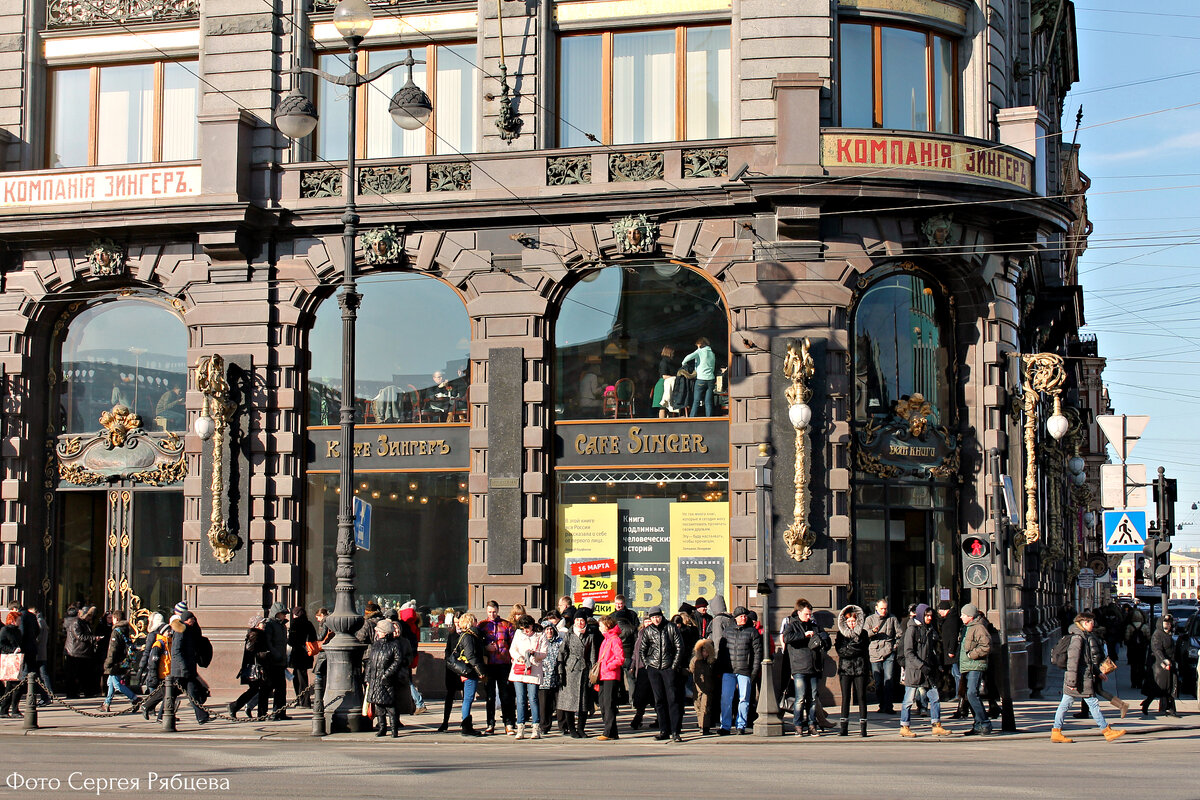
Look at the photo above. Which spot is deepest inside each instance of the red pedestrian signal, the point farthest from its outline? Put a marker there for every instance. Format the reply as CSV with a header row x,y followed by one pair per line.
x,y
975,547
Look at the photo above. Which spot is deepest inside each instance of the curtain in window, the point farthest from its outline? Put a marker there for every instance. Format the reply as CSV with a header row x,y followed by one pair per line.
x,y
180,102
643,87
856,65
69,118
904,101
457,99
331,109
386,139
126,131
943,85
708,83
579,103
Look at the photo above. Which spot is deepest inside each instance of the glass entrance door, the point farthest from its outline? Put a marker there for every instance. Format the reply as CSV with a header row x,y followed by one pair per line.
x,y
902,552
120,548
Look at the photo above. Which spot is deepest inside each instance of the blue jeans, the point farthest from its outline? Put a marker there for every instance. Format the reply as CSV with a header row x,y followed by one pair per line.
x,y
935,707
703,390
418,700
881,673
526,691
469,687
956,673
1093,704
806,697
731,682
116,682
974,678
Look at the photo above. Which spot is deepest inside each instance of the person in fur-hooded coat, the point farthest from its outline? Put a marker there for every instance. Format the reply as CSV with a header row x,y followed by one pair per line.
x,y
704,674
851,643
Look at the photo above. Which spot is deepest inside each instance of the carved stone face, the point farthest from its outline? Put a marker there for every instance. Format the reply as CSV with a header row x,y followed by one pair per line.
x,y
917,425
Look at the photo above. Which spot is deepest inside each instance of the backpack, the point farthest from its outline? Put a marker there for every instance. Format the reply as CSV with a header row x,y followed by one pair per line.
x,y
1058,656
204,652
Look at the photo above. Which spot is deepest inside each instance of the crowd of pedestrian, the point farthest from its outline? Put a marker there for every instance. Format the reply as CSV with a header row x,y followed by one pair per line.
x,y
533,677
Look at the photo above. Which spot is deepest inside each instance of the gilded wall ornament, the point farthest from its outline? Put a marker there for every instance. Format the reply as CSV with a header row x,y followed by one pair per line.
x,y
915,410
799,368
210,379
636,234
106,257
118,424
382,245
1044,372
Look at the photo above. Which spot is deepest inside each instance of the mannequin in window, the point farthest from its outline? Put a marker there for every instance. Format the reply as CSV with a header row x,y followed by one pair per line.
x,y
706,376
441,397
168,409
660,399
591,388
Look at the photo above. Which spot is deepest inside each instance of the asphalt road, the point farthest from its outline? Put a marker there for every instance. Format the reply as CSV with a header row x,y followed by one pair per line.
x,y
1162,766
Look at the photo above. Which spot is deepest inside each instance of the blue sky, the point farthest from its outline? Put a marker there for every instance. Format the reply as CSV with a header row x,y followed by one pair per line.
x,y
1141,275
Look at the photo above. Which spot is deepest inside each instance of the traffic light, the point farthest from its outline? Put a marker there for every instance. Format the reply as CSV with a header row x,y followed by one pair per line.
x,y
1158,559
976,560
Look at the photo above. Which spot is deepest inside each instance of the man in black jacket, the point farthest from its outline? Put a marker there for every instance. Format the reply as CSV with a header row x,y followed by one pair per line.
x,y
185,670
275,633
627,622
806,644
739,659
921,655
949,626
662,656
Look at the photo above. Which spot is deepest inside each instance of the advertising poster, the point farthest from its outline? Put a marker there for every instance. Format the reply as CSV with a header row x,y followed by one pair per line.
x,y
699,550
656,552
587,542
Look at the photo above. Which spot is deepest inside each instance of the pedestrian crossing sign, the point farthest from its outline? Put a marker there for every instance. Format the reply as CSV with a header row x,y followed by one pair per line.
x,y
1124,531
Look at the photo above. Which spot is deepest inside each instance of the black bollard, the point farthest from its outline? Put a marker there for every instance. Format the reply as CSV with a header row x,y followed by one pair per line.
x,y
168,723
318,706
31,722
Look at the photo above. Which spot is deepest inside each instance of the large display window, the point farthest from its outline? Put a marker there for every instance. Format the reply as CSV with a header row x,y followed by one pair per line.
x,y
412,351
625,334
660,538
416,549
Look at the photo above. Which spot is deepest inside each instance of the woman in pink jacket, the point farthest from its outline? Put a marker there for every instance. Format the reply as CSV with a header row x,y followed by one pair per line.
x,y
528,653
612,657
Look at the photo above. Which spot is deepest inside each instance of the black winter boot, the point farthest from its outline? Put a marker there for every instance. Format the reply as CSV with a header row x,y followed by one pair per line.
x,y
468,729
862,725
394,715
844,730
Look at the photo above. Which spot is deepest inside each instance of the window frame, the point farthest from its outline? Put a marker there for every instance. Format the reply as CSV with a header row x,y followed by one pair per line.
x,y
930,34
606,74
93,142
430,88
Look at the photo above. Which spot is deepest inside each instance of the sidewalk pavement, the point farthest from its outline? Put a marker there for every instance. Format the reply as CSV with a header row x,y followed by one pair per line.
x,y
1033,720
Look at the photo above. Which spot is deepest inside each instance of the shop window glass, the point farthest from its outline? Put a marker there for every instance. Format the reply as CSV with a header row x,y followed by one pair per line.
x,y
620,330
453,92
897,78
418,546
124,114
659,539
412,355
899,349
131,353
626,87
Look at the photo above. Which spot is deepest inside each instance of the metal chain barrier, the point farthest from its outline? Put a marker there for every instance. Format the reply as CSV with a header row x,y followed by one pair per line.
x,y
94,714
307,693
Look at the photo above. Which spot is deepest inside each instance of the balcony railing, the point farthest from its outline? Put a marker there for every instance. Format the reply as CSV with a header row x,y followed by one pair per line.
x,y
81,13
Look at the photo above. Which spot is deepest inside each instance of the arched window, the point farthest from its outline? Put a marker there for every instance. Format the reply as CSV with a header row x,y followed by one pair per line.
x,y
131,353
899,350
624,333
412,353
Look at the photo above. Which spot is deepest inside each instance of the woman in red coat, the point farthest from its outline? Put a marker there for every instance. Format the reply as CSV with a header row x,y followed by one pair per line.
x,y
612,657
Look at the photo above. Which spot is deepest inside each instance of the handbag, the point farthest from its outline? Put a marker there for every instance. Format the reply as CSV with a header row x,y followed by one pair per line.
x,y
312,648
1107,666
10,666
520,668
254,673
594,674
368,709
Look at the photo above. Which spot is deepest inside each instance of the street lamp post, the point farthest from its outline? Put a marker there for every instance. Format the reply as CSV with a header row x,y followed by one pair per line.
x,y
296,117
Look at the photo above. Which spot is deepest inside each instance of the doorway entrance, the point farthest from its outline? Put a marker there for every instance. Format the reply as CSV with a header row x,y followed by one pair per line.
x,y
121,548
904,544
